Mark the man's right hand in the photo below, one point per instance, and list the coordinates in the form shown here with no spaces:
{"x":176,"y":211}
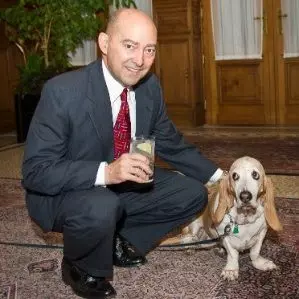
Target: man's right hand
{"x":128,"y":167}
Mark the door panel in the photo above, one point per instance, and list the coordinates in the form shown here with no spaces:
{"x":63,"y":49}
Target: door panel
{"x":240,"y":93}
{"x":174,"y":54}
{"x":288,"y":92}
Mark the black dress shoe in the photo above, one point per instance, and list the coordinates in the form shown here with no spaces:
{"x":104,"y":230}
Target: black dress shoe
{"x":125,"y":255}
{"x":85,"y":285}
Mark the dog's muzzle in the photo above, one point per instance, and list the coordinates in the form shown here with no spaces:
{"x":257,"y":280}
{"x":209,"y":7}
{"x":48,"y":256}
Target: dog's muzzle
{"x":246,"y":210}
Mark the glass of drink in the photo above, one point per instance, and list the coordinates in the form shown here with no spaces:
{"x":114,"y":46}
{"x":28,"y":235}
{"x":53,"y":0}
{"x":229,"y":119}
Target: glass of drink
{"x":145,"y":146}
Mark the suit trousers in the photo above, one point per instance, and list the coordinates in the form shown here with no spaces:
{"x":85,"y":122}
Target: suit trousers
{"x":90,"y":218}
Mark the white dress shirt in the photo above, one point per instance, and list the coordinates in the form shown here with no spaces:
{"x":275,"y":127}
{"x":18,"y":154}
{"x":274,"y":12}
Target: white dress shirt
{"x":115,"y":89}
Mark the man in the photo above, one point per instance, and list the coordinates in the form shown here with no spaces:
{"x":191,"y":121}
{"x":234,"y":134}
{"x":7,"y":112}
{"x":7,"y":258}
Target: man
{"x":77,"y":156}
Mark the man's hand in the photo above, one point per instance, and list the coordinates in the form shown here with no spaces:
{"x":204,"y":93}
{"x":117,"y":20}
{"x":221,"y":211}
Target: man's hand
{"x":128,"y":167}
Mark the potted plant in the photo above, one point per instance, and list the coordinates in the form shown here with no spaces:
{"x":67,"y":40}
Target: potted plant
{"x":45,"y":32}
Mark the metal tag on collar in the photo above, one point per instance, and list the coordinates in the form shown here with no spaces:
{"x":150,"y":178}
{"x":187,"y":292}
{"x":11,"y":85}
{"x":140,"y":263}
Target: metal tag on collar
{"x":236,"y":229}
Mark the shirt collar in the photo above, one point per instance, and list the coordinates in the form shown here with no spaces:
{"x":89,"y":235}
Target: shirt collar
{"x":114,"y":87}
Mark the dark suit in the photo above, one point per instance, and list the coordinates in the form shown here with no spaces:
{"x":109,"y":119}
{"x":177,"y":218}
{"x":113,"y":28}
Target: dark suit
{"x":70,"y":134}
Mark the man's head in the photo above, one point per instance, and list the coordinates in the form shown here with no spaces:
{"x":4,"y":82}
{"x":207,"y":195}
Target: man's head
{"x":129,"y":45}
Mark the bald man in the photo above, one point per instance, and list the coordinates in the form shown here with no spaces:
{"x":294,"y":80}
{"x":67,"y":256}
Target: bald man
{"x":79,"y":182}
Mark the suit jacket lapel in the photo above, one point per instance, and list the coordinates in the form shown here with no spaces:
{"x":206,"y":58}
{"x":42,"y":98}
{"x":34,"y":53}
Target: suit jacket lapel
{"x":100,"y":109}
{"x":144,"y":108}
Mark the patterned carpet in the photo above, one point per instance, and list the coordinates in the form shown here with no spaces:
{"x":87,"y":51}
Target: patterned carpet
{"x":276,"y":150}
{"x":277,"y":157}
{"x":11,"y":161}
{"x":32,"y":272}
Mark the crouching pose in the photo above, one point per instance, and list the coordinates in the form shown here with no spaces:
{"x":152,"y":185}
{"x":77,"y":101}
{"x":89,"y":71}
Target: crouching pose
{"x":79,"y":176}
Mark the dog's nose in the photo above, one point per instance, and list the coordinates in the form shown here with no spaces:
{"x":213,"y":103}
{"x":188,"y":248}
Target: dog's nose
{"x":245,"y":196}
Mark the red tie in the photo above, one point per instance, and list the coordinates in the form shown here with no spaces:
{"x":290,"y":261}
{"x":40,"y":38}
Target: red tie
{"x":122,"y":128}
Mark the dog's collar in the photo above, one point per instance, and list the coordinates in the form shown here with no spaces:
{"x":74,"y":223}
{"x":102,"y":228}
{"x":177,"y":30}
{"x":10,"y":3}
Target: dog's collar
{"x":228,"y":227}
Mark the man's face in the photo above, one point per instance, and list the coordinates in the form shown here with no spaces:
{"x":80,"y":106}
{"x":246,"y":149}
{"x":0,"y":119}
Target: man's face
{"x":130,"y":51}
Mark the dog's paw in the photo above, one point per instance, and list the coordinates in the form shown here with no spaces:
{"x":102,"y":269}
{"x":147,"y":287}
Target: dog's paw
{"x":230,"y":274}
{"x":263,"y":264}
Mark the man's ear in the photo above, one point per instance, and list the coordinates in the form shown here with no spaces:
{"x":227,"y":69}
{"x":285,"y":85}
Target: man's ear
{"x":103,"y":42}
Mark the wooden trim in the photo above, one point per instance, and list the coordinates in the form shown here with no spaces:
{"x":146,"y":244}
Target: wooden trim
{"x":279,"y":72}
{"x":210,"y":85}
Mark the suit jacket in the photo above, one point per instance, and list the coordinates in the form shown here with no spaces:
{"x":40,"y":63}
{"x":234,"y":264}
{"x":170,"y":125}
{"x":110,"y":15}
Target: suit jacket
{"x":71,"y":132}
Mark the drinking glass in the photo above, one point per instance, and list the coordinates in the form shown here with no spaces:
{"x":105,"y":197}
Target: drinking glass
{"x":145,"y":146}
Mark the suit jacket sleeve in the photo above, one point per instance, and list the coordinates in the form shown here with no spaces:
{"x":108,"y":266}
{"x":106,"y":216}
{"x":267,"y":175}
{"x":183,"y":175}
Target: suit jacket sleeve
{"x":47,"y":166}
{"x":171,"y":146}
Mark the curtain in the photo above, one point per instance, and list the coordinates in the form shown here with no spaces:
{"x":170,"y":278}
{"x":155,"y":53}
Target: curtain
{"x":237,"y":28}
{"x":290,"y":24}
{"x":146,"y":6}
{"x":85,"y":54}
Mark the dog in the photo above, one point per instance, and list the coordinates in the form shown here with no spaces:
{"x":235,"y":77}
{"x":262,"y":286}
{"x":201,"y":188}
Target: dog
{"x":238,"y":214}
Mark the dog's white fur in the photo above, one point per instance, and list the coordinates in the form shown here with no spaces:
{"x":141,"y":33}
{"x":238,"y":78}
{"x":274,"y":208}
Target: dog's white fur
{"x":247,"y":179}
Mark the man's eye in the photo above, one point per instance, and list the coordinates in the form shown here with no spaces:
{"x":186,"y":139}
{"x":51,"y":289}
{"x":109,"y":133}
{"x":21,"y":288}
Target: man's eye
{"x":150,"y":51}
{"x":128,"y":46}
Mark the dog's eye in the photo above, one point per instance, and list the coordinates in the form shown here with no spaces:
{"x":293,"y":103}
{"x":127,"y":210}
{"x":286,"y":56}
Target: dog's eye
{"x":235,"y":176}
{"x":255,"y":175}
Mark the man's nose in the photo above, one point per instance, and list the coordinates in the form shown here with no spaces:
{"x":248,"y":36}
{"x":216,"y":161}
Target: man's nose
{"x":245,"y":196}
{"x":139,"y":58}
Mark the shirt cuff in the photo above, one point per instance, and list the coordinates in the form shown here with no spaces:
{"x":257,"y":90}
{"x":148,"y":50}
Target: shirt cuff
{"x":100,"y":179}
{"x":216,"y":176}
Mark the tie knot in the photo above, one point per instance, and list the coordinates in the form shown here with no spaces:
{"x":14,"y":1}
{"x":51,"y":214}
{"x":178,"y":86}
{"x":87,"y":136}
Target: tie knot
{"x":123,"y":95}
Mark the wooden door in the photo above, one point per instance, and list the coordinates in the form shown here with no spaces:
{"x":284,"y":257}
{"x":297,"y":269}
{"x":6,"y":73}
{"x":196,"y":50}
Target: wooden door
{"x":174,"y":74}
{"x":260,"y":91}
{"x":178,"y":61}
{"x":286,"y":68}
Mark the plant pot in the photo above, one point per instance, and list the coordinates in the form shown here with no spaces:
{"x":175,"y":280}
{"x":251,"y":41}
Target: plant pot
{"x":24,"y":109}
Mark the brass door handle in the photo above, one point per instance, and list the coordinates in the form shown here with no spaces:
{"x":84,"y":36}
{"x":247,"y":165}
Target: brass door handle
{"x":264,"y":19}
{"x":280,"y":16}
{"x":186,"y":73}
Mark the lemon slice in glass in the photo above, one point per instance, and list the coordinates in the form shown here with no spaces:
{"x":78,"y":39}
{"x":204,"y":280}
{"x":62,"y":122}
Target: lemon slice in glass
{"x":145,"y":147}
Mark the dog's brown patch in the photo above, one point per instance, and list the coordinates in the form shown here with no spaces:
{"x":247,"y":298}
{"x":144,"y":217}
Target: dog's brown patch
{"x":246,"y":210}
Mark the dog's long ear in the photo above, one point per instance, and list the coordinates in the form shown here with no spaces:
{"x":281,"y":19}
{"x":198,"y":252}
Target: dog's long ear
{"x":225,"y":201}
{"x":269,"y":205}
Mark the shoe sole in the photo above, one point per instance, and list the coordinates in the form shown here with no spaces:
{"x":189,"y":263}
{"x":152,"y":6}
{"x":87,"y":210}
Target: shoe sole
{"x":129,"y":265}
